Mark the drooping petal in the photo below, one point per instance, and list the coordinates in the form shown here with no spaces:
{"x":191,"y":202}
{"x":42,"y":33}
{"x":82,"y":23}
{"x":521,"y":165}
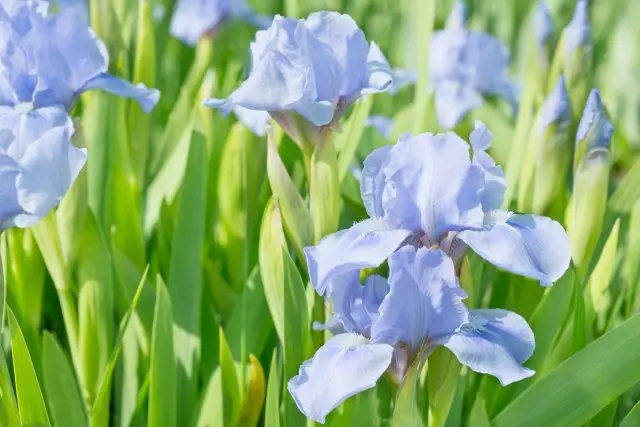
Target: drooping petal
{"x":379,"y":74}
{"x":145,"y":97}
{"x":495,"y":182}
{"x":494,"y":342}
{"x":365,"y":245}
{"x":372,"y":181}
{"x":48,"y":168}
{"x":9,"y":205}
{"x":453,"y":102}
{"x":346,"y":365}
{"x":530,"y":245}
{"x":255,"y":120}
{"x":424,"y":301}
{"x":431,"y":186}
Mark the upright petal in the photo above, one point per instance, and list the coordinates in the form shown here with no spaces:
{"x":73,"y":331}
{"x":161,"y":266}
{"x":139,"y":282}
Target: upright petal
{"x":494,"y":342}
{"x":379,"y":74}
{"x":530,"y":245}
{"x":424,"y":301}
{"x":495,"y":182}
{"x":372,"y":181}
{"x":431,"y":186}
{"x":145,"y":97}
{"x":346,"y":365}
{"x":365,"y":245}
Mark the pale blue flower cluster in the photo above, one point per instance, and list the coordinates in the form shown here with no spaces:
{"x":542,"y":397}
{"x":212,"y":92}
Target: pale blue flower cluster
{"x":428,"y":201}
{"x":192,"y":19}
{"x":305,"y":73}
{"x":46,"y":62}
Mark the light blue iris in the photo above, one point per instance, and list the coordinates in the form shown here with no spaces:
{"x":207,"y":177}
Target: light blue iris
{"x":311,"y":68}
{"x":383,"y":327}
{"x":192,"y":19}
{"x":46,"y":62}
{"x":464,"y":65}
{"x":426,"y":191}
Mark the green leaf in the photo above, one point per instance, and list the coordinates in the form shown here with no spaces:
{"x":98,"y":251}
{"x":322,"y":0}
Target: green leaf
{"x":162,"y":366}
{"x":347,"y":142}
{"x":271,"y":248}
{"x":628,"y":191}
{"x":3,"y":284}
{"x":30,"y":399}
{"x":144,"y":71}
{"x":272,"y":407}
{"x":442,"y":380}
{"x":478,"y":416}
{"x":633,"y":417}
{"x":600,"y":278}
{"x":297,"y":336}
{"x":582,"y":385}
{"x":185,"y":275}
{"x":253,"y":396}
{"x":63,"y":394}
{"x":407,"y":412}
{"x":324,"y":190}
{"x":8,"y":406}
{"x":230,"y":383}
{"x":295,"y":214}
{"x":100,"y":405}
{"x":579,"y":318}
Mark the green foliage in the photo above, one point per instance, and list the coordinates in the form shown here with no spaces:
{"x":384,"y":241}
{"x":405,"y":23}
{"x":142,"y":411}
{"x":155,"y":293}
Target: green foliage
{"x":222,"y":216}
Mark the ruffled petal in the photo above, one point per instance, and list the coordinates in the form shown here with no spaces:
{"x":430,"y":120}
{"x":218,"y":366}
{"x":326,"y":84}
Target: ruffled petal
{"x":424,"y":301}
{"x":431,"y":186}
{"x":494,"y":342}
{"x":365,"y":245}
{"x":372,"y":181}
{"x":530,"y":245}
{"x":346,"y":365}
{"x":145,"y":97}
{"x":495,"y":182}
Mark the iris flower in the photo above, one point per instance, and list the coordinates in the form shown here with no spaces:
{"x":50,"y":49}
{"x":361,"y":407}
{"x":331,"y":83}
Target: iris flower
{"x":306,"y":73}
{"x":192,"y":19}
{"x":426,"y":191}
{"x":46,"y":62}
{"x":35,"y":175}
{"x":464,"y":65}
{"x":385,"y":327}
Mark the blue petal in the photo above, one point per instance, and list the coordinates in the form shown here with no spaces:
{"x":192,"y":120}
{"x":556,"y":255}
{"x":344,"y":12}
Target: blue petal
{"x":346,"y":365}
{"x":494,"y":342}
{"x":145,"y":97}
{"x":379,"y":74}
{"x":529,"y":245}
{"x":9,"y":205}
{"x":577,"y":33}
{"x":372,"y":181}
{"x":556,"y":108}
{"x":356,"y":307}
{"x":431,"y":186}
{"x":29,"y":124}
{"x":383,"y":124}
{"x":495,"y":183}
{"x":424,"y":301}
{"x":542,"y":23}
{"x":49,"y":166}
{"x":367,"y":244}
{"x":401,"y":79}
{"x":192,"y":19}
{"x":257,"y":121}
{"x":595,"y":123}
{"x":453,"y":102}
